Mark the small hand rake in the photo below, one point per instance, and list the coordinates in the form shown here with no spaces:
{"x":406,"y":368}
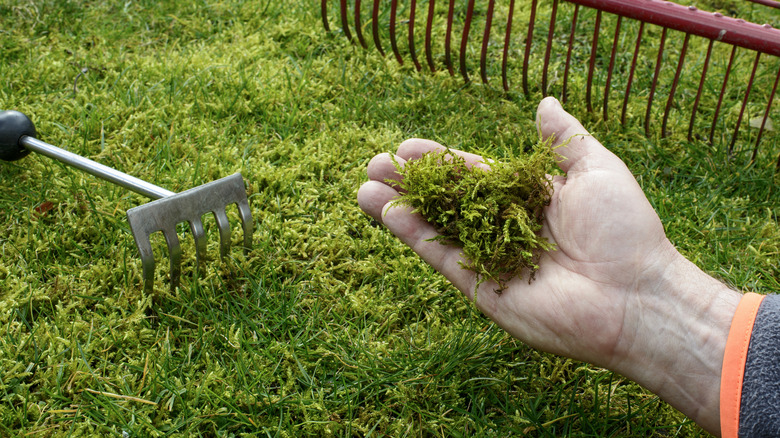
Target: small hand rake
{"x":17,"y":139}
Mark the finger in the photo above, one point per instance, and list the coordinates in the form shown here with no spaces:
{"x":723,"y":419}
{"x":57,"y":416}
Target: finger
{"x":582,"y":151}
{"x":415,"y":232}
{"x":414,"y":148}
{"x":381,"y":168}
{"x":373,"y":196}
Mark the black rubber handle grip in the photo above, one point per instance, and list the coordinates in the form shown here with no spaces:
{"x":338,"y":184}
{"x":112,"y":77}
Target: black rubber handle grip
{"x":13,"y":126}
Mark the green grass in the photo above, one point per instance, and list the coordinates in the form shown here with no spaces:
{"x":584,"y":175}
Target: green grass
{"x":329,"y":326}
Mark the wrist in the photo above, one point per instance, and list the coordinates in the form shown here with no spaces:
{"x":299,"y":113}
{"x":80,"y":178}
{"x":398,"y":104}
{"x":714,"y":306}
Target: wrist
{"x":675,"y":348}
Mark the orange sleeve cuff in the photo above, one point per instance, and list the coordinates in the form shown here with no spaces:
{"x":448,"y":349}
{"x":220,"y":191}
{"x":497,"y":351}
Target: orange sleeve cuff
{"x":734,"y":363}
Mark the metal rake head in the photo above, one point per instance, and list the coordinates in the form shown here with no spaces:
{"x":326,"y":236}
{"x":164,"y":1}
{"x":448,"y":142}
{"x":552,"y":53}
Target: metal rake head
{"x":189,"y":206}
{"x":17,"y":139}
{"x":739,"y":35}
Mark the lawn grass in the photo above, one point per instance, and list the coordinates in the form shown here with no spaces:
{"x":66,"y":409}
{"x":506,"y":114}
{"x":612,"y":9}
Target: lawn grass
{"x":329,"y":326}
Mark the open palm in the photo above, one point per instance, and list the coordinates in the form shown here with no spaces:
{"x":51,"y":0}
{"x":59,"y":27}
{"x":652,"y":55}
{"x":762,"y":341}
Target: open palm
{"x":609,"y":240}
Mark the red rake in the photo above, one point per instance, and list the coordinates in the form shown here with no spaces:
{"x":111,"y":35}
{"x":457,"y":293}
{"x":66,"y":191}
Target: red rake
{"x":739,"y":38}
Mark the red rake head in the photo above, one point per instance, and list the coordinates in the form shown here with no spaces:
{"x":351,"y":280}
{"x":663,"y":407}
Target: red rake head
{"x":738,"y":38}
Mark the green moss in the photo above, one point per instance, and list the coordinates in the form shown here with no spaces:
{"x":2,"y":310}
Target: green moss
{"x":495,"y":214}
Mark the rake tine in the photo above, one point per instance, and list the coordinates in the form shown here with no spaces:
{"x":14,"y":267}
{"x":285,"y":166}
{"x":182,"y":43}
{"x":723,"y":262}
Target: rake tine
{"x":549,"y":46}
{"x":199,"y":236}
{"x":592,"y":63}
{"x":653,"y":84}
{"x":358,"y":26}
{"x":766,"y":115}
{"x":393,"y":42}
{"x":224,"y":232}
{"x":448,"y":38}
{"x":564,"y":94}
{"x":428,"y":36}
{"x":676,"y":80}
{"x":611,"y":66}
{"x":485,"y":41}
{"x":744,"y":102}
{"x":344,"y":20}
{"x":245,"y":213}
{"x":375,"y":27}
{"x":465,"y":39}
{"x":507,"y":37}
{"x":722,"y":92}
{"x":324,"y":14}
{"x":701,"y":86}
{"x":412,"y":51}
{"x":631,"y":71}
{"x":528,"y":40}
{"x":147,"y":260}
{"x":174,"y":249}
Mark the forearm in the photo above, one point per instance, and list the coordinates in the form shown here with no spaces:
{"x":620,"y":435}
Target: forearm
{"x":677,"y":351}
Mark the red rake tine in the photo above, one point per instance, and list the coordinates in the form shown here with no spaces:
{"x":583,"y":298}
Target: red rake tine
{"x":528,"y":42}
{"x":766,"y":116}
{"x":564,"y":93}
{"x":412,"y":51}
{"x":393,"y":40}
{"x":611,"y":66}
{"x":358,"y":25}
{"x":592,"y":63}
{"x":676,"y":80}
{"x":654,"y":83}
{"x":465,"y":40}
{"x":699,"y":90}
{"x":744,"y":102}
{"x":485,"y":41}
{"x":428,"y":35}
{"x":547,"y":51}
{"x":448,"y":38}
{"x":507,"y":38}
{"x":722,"y":92}
{"x":375,"y":27}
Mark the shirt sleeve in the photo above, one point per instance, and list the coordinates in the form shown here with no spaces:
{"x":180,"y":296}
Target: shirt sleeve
{"x":750,"y":377}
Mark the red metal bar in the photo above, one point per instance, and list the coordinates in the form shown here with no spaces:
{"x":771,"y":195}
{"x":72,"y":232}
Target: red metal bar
{"x":701,"y":87}
{"x":547,"y":51}
{"x":448,"y":38}
{"x":465,"y":40}
{"x":393,"y":41}
{"x":345,"y":20}
{"x":358,"y":26}
{"x":676,"y":80}
{"x":688,"y":19}
{"x":631,"y":71}
{"x":722,"y":92}
{"x":564,"y":94}
{"x":607,"y":86}
{"x":375,"y":27}
{"x":485,"y":40}
{"x":658,"y":63}
{"x":428,"y":32}
{"x":770,"y":3}
{"x":744,"y":102}
{"x":766,"y":116}
{"x":412,"y":51}
{"x":528,"y":41}
{"x":324,"y":13}
{"x":592,"y":64}
{"x":507,"y":37}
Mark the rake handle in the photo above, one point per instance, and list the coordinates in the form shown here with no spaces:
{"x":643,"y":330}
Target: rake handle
{"x":17,"y":139}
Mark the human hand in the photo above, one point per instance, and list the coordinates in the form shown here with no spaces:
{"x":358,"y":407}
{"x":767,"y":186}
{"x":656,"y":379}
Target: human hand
{"x":615,"y":293}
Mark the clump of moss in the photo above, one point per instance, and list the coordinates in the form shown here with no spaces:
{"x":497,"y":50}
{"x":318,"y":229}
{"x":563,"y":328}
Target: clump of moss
{"x":495,"y":215}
